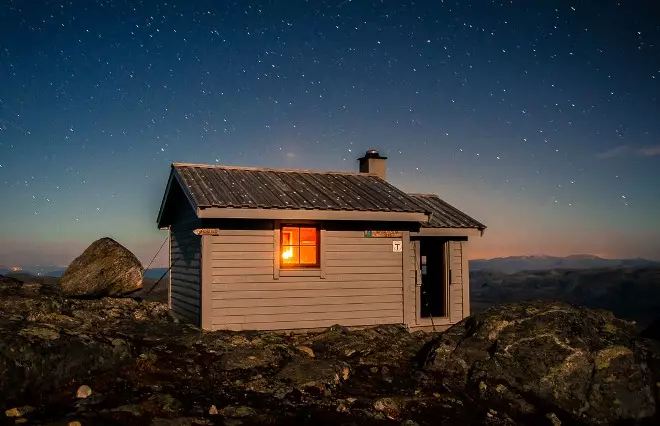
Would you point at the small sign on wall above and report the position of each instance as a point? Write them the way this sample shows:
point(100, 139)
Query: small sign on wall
point(383, 234)
point(206, 231)
point(397, 246)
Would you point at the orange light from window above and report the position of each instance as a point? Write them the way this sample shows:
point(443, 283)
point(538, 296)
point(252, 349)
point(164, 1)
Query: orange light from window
point(308, 255)
point(299, 246)
point(307, 236)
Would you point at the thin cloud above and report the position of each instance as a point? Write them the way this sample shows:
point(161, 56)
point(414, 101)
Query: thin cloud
point(614, 152)
point(651, 151)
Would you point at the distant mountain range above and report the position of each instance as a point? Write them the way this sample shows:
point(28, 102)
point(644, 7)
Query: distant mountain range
point(43, 270)
point(54, 271)
point(513, 264)
point(508, 265)
point(630, 292)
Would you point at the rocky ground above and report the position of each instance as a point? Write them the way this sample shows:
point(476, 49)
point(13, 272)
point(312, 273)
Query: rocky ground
point(67, 361)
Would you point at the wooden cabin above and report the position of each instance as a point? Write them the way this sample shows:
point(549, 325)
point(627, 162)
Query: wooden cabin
point(269, 249)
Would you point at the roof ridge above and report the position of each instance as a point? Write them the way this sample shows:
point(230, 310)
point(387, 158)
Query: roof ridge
point(415, 194)
point(269, 169)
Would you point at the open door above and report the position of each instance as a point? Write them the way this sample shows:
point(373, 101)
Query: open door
point(433, 291)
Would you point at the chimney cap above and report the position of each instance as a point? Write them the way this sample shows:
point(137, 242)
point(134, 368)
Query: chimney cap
point(372, 153)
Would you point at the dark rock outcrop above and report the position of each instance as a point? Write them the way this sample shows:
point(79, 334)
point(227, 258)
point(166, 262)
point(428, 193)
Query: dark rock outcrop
point(390, 345)
point(252, 358)
point(314, 375)
point(35, 358)
point(105, 268)
point(10, 283)
point(124, 361)
point(652, 331)
point(538, 359)
point(46, 340)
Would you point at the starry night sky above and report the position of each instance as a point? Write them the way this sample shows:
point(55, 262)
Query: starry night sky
point(540, 119)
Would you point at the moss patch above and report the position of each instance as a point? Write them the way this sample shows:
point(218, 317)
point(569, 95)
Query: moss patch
point(44, 333)
point(604, 357)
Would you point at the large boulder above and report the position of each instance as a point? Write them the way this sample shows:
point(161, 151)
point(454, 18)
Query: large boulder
point(550, 360)
point(105, 268)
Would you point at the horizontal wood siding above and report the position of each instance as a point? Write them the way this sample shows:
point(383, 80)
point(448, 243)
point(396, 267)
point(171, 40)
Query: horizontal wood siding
point(361, 284)
point(414, 278)
point(185, 275)
point(466, 278)
point(456, 281)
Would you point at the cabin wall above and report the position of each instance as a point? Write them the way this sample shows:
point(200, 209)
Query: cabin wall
point(185, 261)
point(361, 282)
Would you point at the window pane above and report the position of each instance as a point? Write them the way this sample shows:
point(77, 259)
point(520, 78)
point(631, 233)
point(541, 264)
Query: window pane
point(307, 236)
point(290, 255)
point(290, 235)
point(308, 255)
point(299, 246)
point(286, 238)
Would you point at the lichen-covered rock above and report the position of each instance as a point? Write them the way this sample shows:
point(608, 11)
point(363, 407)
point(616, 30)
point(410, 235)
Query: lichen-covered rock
point(183, 421)
point(305, 374)
point(37, 357)
point(536, 358)
point(514, 364)
point(105, 268)
point(251, 358)
point(391, 407)
point(162, 403)
point(19, 411)
point(9, 283)
point(306, 350)
point(83, 392)
point(390, 345)
point(238, 411)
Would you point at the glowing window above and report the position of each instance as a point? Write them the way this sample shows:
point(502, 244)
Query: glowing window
point(299, 247)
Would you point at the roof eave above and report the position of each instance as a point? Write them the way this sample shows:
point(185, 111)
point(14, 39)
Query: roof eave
point(448, 232)
point(471, 222)
point(159, 220)
point(309, 214)
point(173, 176)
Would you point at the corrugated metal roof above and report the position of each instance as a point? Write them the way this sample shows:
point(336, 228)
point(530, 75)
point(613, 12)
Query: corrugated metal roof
point(241, 187)
point(444, 215)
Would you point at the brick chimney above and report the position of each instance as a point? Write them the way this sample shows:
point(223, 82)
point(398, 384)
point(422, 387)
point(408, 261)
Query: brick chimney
point(372, 162)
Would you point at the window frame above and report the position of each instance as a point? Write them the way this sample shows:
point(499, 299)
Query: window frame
point(299, 267)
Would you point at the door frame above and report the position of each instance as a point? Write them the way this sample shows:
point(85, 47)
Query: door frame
point(431, 321)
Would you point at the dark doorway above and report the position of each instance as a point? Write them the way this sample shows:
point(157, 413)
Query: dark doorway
point(433, 297)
